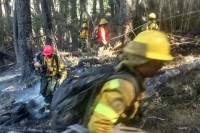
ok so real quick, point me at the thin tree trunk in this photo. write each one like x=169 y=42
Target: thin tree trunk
x=101 y=8
x=47 y=21
x=112 y=8
x=0 y=9
x=15 y=34
x=73 y=14
x=37 y=28
x=94 y=7
x=7 y=10
x=82 y=11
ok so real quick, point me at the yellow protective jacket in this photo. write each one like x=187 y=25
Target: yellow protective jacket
x=83 y=33
x=115 y=98
x=151 y=26
x=52 y=69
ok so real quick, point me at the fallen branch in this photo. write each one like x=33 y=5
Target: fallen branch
x=183 y=128
x=151 y=117
x=155 y=82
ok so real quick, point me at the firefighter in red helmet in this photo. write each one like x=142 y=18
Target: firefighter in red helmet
x=53 y=70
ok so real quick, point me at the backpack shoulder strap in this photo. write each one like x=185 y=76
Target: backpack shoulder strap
x=132 y=79
x=55 y=58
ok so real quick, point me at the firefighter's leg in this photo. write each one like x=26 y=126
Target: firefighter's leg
x=50 y=90
x=84 y=45
x=43 y=86
x=79 y=44
x=44 y=89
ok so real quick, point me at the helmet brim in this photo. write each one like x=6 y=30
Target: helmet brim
x=157 y=56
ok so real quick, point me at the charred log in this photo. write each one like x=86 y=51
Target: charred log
x=23 y=129
x=17 y=116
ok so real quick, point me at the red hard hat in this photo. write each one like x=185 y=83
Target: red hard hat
x=48 y=50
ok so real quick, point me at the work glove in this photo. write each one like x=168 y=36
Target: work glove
x=124 y=129
x=50 y=69
x=37 y=64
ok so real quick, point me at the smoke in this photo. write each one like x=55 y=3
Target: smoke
x=33 y=100
x=28 y=94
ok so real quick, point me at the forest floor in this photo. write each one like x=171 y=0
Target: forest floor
x=175 y=109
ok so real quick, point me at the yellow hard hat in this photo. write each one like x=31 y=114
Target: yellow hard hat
x=84 y=25
x=103 y=21
x=152 y=15
x=150 y=44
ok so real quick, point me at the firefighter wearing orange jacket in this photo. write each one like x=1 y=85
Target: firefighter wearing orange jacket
x=118 y=99
x=103 y=33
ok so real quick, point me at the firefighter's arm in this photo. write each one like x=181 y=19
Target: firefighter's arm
x=63 y=72
x=103 y=32
x=37 y=64
x=114 y=99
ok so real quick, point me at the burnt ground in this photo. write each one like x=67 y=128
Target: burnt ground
x=175 y=109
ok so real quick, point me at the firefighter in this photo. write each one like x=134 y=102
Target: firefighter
x=151 y=24
x=53 y=73
x=118 y=99
x=103 y=34
x=83 y=33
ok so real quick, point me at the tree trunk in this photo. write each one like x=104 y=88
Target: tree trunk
x=112 y=8
x=74 y=19
x=15 y=34
x=24 y=32
x=8 y=26
x=0 y=9
x=83 y=11
x=94 y=7
x=37 y=28
x=47 y=21
x=101 y=8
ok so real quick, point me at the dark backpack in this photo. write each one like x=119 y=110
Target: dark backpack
x=72 y=100
x=39 y=57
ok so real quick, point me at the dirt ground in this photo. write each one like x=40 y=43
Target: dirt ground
x=175 y=109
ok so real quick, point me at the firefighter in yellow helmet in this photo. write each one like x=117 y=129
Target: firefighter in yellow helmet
x=151 y=24
x=119 y=100
x=83 y=34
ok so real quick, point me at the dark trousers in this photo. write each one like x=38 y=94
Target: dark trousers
x=47 y=88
